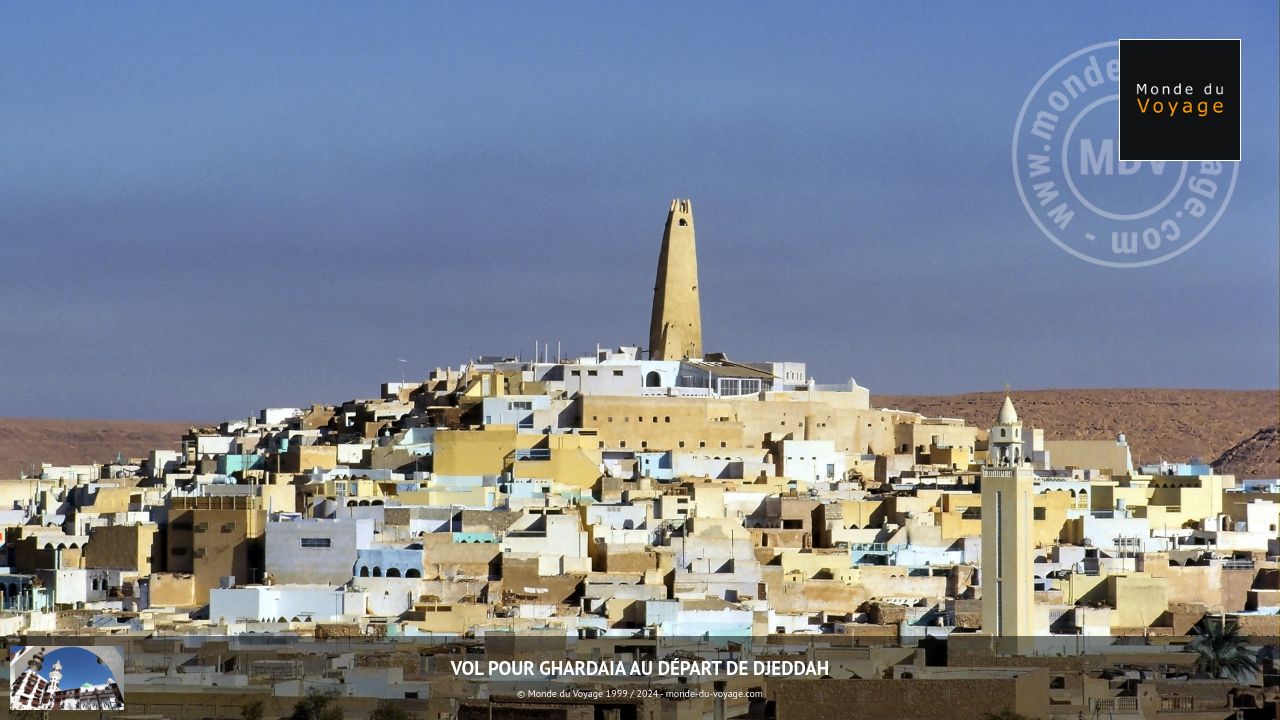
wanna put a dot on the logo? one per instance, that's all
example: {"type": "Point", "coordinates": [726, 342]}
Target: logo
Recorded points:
{"type": "Point", "coordinates": [1106, 211]}
{"type": "Point", "coordinates": [1180, 99]}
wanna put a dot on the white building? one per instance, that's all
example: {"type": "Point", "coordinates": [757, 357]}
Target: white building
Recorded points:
{"type": "Point", "coordinates": [284, 603]}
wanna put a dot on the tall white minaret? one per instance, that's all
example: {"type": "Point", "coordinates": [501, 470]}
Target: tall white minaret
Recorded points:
{"type": "Point", "coordinates": [1004, 443]}
{"type": "Point", "coordinates": [1008, 581]}
{"type": "Point", "coordinates": [55, 677]}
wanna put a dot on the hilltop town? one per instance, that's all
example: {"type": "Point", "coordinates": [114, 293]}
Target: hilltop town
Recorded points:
{"type": "Point", "coordinates": [633, 494]}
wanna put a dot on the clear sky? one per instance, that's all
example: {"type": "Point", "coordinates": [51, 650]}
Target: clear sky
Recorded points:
{"type": "Point", "coordinates": [205, 210]}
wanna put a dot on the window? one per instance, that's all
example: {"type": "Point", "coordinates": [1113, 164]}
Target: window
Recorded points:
{"type": "Point", "coordinates": [617, 373]}
{"type": "Point", "coordinates": [316, 542]}
{"type": "Point", "coordinates": [592, 373]}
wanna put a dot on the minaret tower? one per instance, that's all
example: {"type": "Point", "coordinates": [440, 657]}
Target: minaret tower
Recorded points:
{"type": "Point", "coordinates": [1008, 547]}
{"type": "Point", "coordinates": [1004, 444]}
{"type": "Point", "coordinates": [675, 328]}
{"type": "Point", "coordinates": [55, 677]}
{"type": "Point", "coordinates": [27, 691]}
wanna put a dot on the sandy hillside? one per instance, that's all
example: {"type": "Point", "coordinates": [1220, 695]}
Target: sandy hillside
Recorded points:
{"type": "Point", "coordinates": [1170, 424]}
{"type": "Point", "coordinates": [24, 441]}
{"type": "Point", "coordinates": [1256, 456]}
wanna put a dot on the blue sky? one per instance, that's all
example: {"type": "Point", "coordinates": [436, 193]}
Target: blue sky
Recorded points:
{"type": "Point", "coordinates": [207, 210]}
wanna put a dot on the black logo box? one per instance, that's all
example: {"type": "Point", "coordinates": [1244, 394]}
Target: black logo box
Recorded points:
{"type": "Point", "coordinates": [1187, 68]}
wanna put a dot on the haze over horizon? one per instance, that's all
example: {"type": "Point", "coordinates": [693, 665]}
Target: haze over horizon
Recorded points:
{"type": "Point", "coordinates": [205, 213]}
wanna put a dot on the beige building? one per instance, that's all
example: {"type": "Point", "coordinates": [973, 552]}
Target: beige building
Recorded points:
{"type": "Point", "coordinates": [216, 537]}
{"type": "Point", "coordinates": [123, 547]}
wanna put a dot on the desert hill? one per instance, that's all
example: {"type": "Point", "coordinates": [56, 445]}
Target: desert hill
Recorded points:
{"type": "Point", "coordinates": [28, 441]}
{"type": "Point", "coordinates": [1173, 425]}
{"type": "Point", "coordinates": [1256, 456]}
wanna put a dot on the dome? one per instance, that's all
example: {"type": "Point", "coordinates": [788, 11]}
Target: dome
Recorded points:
{"type": "Point", "coordinates": [1007, 416]}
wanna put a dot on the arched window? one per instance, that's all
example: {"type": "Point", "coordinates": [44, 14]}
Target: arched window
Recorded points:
{"type": "Point", "coordinates": [652, 379]}
{"type": "Point", "coordinates": [377, 572]}
{"type": "Point", "coordinates": [364, 571]}
{"type": "Point", "coordinates": [412, 573]}
{"type": "Point", "coordinates": [393, 572]}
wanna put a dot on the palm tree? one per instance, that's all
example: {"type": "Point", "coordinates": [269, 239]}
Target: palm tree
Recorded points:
{"type": "Point", "coordinates": [252, 710]}
{"type": "Point", "coordinates": [1222, 651]}
{"type": "Point", "coordinates": [389, 710]}
{"type": "Point", "coordinates": [317, 705]}
{"type": "Point", "coordinates": [1005, 714]}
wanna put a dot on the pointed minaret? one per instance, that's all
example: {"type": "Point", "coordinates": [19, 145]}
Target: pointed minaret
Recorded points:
{"type": "Point", "coordinates": [55, 678]}
{"type": "Point", "coordinates": [675, 330]}
{"type": "Point", "coordinates": [1008, 537]}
